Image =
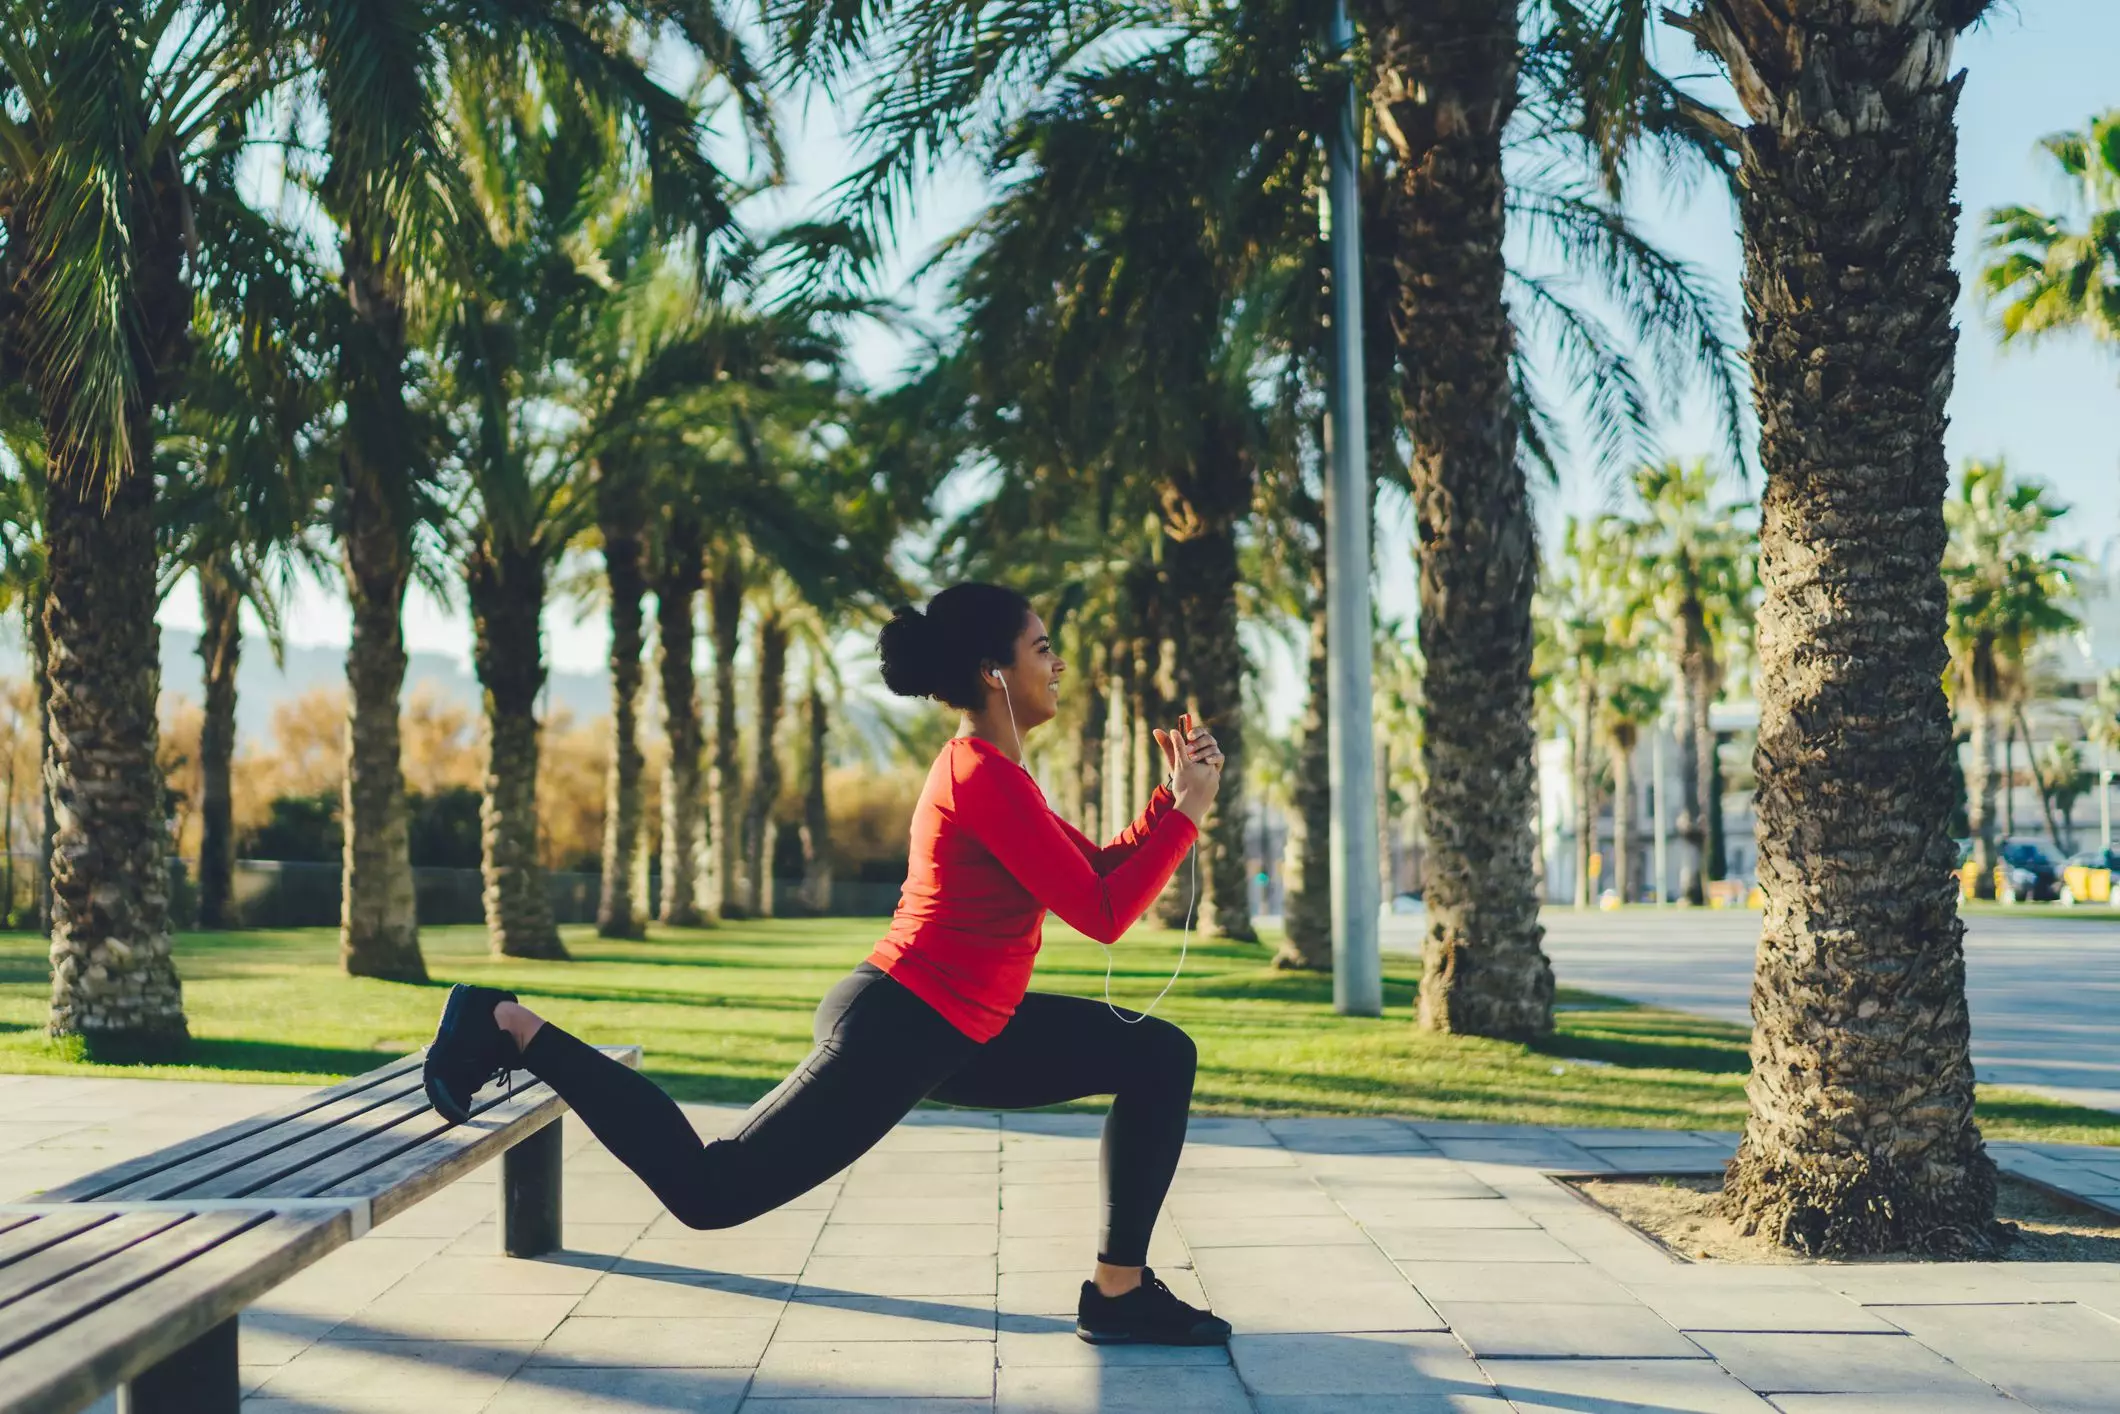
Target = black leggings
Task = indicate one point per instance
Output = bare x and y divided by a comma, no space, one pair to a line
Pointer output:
880,1050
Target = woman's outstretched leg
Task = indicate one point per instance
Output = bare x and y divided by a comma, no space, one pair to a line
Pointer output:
879,1049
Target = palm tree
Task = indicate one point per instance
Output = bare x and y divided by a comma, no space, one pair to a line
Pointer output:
2007,593
113,112
1582,614
398,199
1701,576
2050,274
1861,1136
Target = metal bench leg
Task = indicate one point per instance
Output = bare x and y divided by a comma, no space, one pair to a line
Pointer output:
201,1378
530,1194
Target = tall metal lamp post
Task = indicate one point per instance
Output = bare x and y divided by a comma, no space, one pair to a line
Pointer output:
1357,978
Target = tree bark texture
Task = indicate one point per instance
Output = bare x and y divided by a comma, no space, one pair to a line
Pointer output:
1306,915
816,811
1861,1135
220,651
40,646
618,912
1694,764
725,773
379,932
507,591
765,766
676,593
1446,75
1089,750
114,983
1210,672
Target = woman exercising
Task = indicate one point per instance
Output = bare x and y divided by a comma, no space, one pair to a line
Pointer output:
940,1009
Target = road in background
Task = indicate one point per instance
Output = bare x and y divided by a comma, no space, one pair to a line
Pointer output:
2044,988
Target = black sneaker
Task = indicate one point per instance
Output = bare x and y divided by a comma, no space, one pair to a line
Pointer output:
468,1050
1150,1314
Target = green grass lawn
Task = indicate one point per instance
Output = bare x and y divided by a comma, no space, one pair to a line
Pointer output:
725,1012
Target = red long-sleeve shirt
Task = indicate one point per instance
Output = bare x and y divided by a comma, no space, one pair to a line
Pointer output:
989,857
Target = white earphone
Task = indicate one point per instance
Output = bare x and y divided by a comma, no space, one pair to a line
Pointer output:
1191,901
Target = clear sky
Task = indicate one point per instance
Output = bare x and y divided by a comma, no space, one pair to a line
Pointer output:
2036,67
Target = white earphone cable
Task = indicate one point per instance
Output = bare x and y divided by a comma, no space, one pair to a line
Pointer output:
1192,898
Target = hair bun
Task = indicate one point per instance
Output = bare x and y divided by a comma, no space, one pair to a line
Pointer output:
907,646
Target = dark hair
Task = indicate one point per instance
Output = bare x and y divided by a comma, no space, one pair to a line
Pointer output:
939,654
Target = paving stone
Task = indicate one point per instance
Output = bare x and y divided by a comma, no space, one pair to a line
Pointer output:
337,1372
986,1160
1351,1307
865,1406
583,1238
1599,1140
782,1224
1687,1159
1290,1202
1050,1196
604,1389
711,1253
1347,1136
969,1187
1697,1307
1516,1281
1941,1284
1380,1404
1365,1190
1975,1335
899,1276
891,1369
1218,1131
1118,1389
869,1318
430,1316
1454,1214
913,1212
1064,1347
563,1274
1435,1244
656,1341
2060,1386
1976,1401
1296,1269
1272,1232
1055,1293
1043,1170
1356,1364
1775,1363
694,1297
1621,1387
1553,1154
912,1240
1234,1157
1563,1329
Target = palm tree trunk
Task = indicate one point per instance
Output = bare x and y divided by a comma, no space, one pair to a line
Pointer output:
1694,765
507,592
2009,777
1621,746
1861,1136
1306,917
676,586
220,649
1210,670
114,983
1715,857
765,766
725,785
379,932
617,913
816,812
40,647
1980,798
1447,78
1585,783
2046,797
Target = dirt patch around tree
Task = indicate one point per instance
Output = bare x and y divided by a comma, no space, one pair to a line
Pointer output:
1683,1214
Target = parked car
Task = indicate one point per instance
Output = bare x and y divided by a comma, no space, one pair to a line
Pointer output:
2088,877
2026,873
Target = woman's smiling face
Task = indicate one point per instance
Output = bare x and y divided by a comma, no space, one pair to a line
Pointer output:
1034,678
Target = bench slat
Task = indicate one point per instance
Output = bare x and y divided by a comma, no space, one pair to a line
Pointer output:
344,1121
96,1184
155,1300
302,1152
62,1259
39,1232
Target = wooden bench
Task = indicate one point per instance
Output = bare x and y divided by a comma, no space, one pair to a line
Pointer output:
134,1275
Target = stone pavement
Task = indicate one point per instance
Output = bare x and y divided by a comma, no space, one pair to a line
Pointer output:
1367,1264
